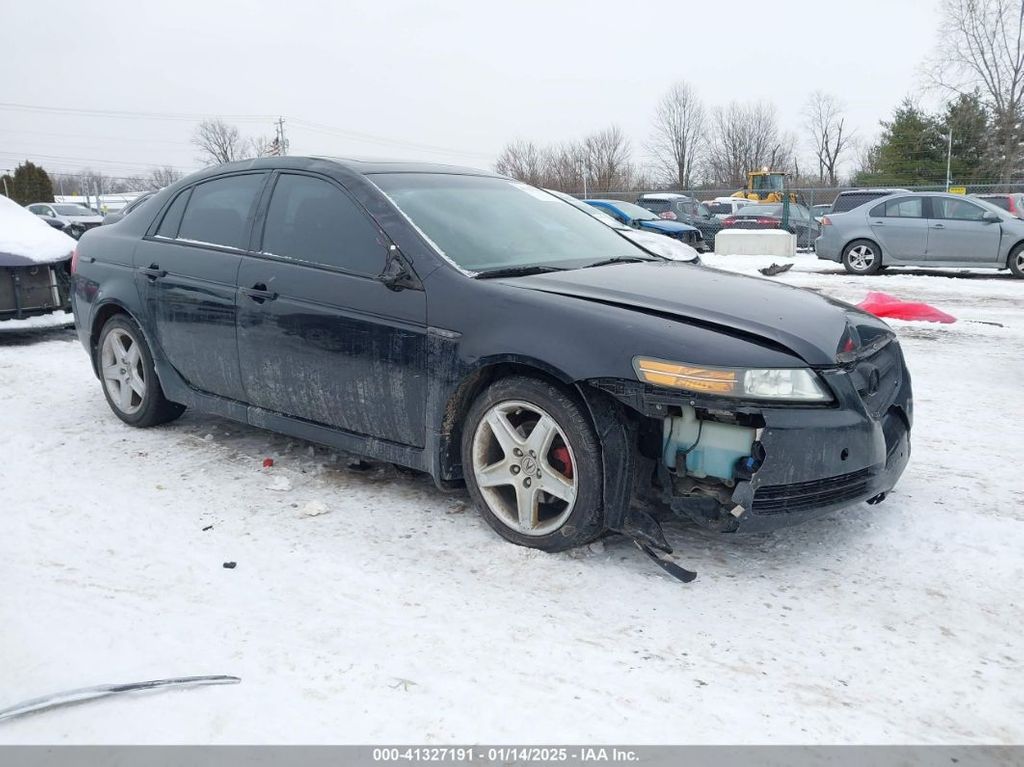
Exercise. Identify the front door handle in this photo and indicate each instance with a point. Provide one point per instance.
(153, 271)
(259, 293)
(938, 226)
(878, 223)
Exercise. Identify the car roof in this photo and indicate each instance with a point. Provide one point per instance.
(663, 196)
(874, 190)
(358, 166)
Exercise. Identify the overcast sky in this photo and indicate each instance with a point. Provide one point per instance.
(449, 80)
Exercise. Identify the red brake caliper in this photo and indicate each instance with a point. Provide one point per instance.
(561, 456)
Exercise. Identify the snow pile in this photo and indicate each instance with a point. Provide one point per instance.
(23, 233)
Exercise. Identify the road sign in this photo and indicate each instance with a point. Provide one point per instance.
(958, 190)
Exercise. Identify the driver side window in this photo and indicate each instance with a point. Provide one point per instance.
(956, 210)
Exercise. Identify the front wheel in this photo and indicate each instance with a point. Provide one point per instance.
(533, 465)
(862, 257)
(129, 380)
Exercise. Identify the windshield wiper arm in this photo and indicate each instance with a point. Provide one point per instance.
(517, 271)
(619, 260)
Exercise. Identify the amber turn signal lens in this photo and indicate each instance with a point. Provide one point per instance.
(678, 376)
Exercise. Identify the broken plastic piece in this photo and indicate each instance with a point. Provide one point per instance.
(885, 305)
(84, 694)
(268, 462)
(670, 567)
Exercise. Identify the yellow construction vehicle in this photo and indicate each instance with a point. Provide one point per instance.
(765, 186)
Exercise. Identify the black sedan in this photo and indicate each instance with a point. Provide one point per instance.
(572, 380)
(769, 216)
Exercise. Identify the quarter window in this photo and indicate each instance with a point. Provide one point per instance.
(956, 210)
(219, 211)
(169, 226)
(310, 219)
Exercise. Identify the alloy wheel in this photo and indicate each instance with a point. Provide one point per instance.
(123, 373)
(1020, 262)
(525, 468)
(861, 257)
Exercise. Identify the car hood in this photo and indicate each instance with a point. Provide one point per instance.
(813, 327)
(665, 225)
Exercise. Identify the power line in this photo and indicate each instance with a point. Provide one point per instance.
(132, 115)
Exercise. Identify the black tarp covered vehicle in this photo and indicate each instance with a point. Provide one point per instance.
(35, 264)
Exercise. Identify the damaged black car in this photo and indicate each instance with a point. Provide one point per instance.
(488, 333)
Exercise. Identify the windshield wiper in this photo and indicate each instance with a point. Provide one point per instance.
(517, 271)
(619, 260)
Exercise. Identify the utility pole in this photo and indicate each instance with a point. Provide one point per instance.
(6, 193)
(282, 142)
(949, 158)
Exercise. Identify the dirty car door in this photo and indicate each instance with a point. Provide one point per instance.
(900, 227)
(185, 271)
(320, 337)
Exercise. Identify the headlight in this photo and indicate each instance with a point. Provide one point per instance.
(784, 384)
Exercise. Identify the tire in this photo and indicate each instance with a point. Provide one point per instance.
(128, 378)
(1015, 263)
(862, 257)
(510, 466)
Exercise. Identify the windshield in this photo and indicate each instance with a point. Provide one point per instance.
(631, 210)
(720, 207)
(73, 210)
(656, 206)
(484, 223)
(590, 210)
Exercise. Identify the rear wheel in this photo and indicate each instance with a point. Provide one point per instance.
(532, 465)
(1016, 261)
(129, 380)
(862, 257)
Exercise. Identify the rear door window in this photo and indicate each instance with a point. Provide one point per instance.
(903, 207)
(312, 220)
(220, 211)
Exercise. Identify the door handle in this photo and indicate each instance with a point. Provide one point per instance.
(878, 223)
(259, 293)
(153, 271)
(938, 226)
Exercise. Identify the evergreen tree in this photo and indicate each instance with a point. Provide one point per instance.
(969, 121)
(29, 184)
(912, 150)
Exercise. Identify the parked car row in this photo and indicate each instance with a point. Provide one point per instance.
(75, 220)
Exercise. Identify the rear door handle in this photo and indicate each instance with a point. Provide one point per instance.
(153, 271)
(938, 226)
(259, 293)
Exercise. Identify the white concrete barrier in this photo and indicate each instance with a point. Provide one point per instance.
(755, 242)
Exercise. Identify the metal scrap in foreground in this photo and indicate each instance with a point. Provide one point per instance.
(84, 694)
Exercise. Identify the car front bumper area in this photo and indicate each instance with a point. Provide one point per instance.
(804, 462)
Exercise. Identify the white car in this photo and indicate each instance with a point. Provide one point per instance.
(723, 207)
(77, 219)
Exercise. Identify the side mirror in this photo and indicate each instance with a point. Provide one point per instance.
(990, 218)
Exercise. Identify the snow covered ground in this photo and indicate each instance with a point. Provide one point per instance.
(368, 607)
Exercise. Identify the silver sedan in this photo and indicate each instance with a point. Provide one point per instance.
(923, 229)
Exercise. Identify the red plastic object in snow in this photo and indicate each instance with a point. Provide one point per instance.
(884, 305)
(268, 462)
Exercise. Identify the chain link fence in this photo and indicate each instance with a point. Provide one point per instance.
(809, 196)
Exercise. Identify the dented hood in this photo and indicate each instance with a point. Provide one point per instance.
(813, 327)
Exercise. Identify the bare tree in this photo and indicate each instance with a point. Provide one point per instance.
(161, 177)
(219, 142)
(981, 43)
(747, 137)
(608, 163)
(522, 160)
(678, 132)
(825, 121)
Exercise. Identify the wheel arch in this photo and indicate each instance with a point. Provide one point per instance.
(100, 317)
(872, 240)
(1009, 253)
(469, 387)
